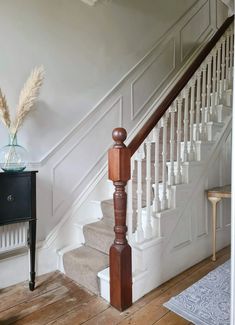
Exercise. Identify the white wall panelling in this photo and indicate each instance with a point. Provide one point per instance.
(192, 31)
(93, 143)
(153, 76)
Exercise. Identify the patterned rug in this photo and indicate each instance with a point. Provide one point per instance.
(207, 302)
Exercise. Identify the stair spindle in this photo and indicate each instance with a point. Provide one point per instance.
(139, 156)
(172, 144)
(203, 114)
(198, 105)
(227, 59)
(231, 57)
(164, 203)
(130, 203)
(186, 122)
(213, 94)
(218, 73)
(148, 227)
(208, 88)
(223, 64)
(179, 131)
(192, 109)
(157, 203)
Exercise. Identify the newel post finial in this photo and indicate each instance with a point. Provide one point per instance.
(120, 251)
(119, 136)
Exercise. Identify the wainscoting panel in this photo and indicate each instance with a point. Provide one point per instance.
(147, 83)
(183, 232)
(77, 167)
(191, 33)
(202, 217)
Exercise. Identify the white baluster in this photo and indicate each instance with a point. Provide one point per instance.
(179, 125)
(156, 203)
(198, 104)
(139, 156)
(223, 65)
(227, 60)
(172, 144)
(208, 88)
(148, 228)
(218, 72)
(203, 113)
(130, 203)
(213, 95)
(192, 109)
(164, 202)
(231, 57)
(186, 122)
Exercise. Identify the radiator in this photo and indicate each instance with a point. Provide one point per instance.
(13, 237)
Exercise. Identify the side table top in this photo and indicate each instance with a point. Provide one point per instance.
(220, 192)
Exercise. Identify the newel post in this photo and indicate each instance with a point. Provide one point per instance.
(120, 251)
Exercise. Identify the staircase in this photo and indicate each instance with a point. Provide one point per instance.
(84, 263)
(169, 157)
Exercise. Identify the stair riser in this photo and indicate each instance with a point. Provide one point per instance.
(98, 241)
(223, 112)
(212, 131)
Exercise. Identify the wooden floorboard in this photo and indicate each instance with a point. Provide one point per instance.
(58, 300)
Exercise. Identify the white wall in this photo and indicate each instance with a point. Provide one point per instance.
(86, 51)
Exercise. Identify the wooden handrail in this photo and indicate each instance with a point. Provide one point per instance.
(165, 104)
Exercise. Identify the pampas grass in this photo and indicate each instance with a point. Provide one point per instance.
(27, 99)
(28, 96)
(4, 111)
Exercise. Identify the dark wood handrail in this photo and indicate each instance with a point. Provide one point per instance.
(165, 104)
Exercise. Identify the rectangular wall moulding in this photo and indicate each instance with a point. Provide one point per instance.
(192, 31)
(183, 232)
(79, 166)
(202, 218)
(149, 81)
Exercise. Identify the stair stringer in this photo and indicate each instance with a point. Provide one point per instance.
(157, 260)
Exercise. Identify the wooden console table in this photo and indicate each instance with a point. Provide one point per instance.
(215, 195)
(18, 204)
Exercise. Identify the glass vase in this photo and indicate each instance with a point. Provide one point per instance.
(13, 157)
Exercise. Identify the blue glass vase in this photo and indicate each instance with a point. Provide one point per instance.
(13, 157)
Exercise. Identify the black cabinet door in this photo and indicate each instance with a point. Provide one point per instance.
(15, 199)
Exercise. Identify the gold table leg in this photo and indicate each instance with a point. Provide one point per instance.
(214, 201)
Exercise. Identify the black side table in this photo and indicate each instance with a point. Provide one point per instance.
(18, 204)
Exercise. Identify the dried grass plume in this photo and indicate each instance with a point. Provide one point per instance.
(28, 97)
(4, 111)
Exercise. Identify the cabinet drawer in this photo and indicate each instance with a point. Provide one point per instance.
(15, 199)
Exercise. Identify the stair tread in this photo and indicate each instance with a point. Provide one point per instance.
(82, 265)
(97, 260)
(100, 227)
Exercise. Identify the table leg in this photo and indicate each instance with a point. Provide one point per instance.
(214, 201)
(32, 248)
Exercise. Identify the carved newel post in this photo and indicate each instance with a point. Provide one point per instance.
(120, 251)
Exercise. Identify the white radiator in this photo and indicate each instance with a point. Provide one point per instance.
(13, 236)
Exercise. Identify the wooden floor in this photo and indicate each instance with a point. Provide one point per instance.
(58, 300)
